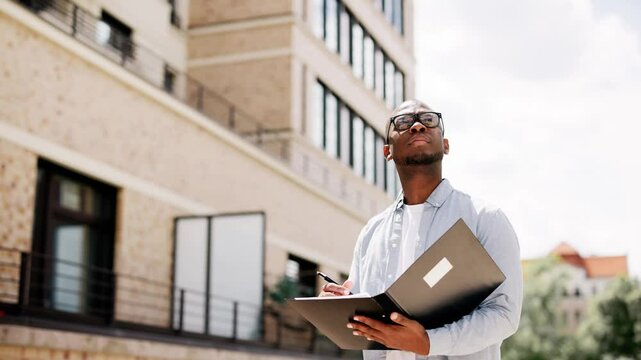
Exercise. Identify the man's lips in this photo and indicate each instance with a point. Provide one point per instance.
(419, 139)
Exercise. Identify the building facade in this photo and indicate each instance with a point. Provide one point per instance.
(587, 277)
(170, 171)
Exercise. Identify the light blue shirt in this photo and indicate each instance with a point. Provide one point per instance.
(479, 334)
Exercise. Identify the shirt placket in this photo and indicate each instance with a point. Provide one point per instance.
(394, 246)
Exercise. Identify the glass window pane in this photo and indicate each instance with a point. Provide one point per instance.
(398, 15)
(345, 136)
(357, 50)
(331, 25)
(399, 88)
(318, 119)
(357, 145)
(369, 154)
(380, 163)
(368, 59)
(379, 73)
(388, 9)
(319, 18)
(69, 280)
(390, 174)
(70, 195)
(389, 83)
(331, 124)
(344, 35)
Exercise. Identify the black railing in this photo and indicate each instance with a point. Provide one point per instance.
(151, 67)
(45, 287)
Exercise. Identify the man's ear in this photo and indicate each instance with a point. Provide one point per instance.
(387, 152)
(446, 146)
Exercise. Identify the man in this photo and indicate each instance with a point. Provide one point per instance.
(393, 239)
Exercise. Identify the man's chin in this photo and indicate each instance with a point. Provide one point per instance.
(423, 159)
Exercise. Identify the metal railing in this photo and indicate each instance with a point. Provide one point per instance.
(151, 67)
(42, 286)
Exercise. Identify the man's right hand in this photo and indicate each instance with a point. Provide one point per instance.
(336, 290)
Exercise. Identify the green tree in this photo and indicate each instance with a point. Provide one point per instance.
(613, 327)
(541, 335)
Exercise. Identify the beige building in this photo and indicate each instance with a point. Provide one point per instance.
(587, 276)
(171, 170)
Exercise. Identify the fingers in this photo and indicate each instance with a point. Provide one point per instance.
(398, 318)
(348, 284)
(335, 290)
(367, 327)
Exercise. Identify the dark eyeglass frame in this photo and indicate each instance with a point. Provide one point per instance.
(415, 117)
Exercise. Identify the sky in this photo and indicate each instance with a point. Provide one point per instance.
(541, 103)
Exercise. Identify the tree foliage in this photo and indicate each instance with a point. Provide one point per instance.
(613, 327)
(540, 335)
(611, 331)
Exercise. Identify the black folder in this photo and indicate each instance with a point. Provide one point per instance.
(445, 283)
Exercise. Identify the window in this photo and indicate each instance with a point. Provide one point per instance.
(389, 83)
(397, 18)
(344, 135)
(379, 73)
(357, 144)
(388, 9)
(174, 19)
(380, 163)
(316, 130)
(331, 124)
(117, 34)
(368, 61)
(331, 25)
(357, 49)
(345, 35)
(390, 179)
(393, 12)
(399, 91)
(169, 78)
(319, 18)
(369, 154)
(302, 272)
(73, 243)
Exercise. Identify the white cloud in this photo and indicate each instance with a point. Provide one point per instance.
(540, 105)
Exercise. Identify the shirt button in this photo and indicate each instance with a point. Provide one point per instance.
(389, 276)
(393, 245)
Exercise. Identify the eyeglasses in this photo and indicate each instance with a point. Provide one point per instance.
(428, 119)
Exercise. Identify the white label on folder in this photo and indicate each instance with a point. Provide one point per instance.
(438, 271)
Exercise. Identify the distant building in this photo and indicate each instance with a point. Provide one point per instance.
(588, 277)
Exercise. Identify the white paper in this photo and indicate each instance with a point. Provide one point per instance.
(438, 272)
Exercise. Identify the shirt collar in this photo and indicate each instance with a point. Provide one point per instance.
(436, 198)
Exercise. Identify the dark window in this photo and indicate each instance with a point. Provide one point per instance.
(119, 34)
(302, 272)
(577, 292)
(169, 79)
(73, 243)
(174, 19)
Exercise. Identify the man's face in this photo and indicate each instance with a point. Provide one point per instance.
(418, 145)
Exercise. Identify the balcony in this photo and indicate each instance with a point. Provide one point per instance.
(114, 41)
(37, 289)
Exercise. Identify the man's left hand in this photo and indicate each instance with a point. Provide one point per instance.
(406, 334)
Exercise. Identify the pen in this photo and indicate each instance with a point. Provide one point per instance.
(329, 279)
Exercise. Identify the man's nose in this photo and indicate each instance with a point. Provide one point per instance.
(417, 127)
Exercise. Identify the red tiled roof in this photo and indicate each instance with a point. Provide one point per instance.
(606, 266)
(595, 266)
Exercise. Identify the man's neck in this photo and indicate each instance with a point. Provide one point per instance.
(419, 182)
